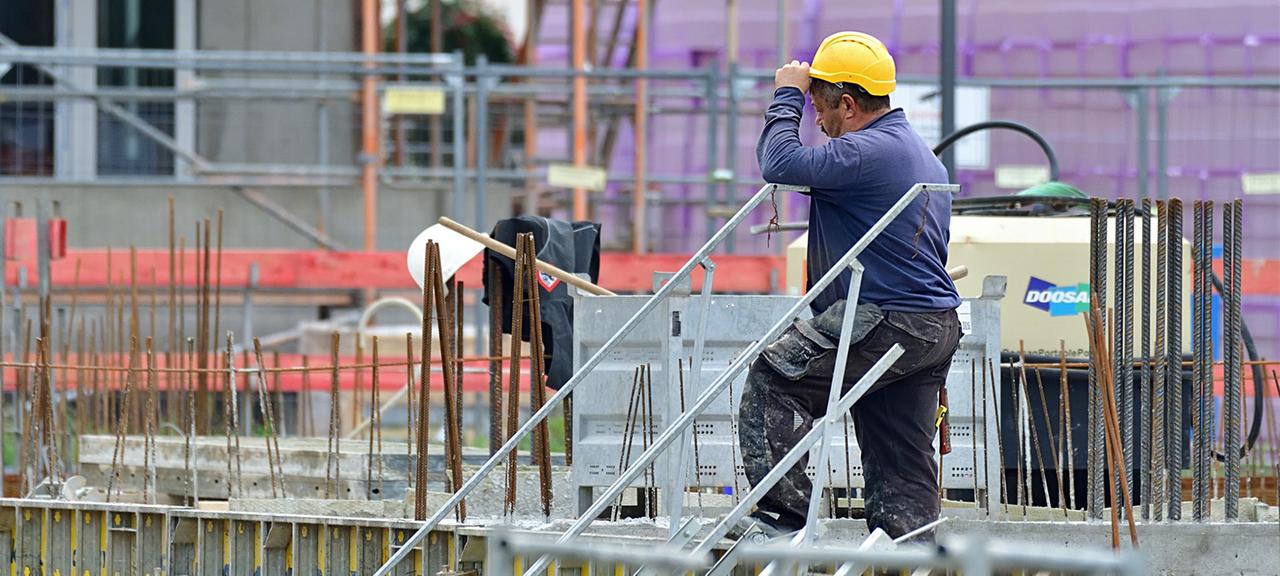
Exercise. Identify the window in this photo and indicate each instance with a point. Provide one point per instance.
(122, 149)
(26, 126)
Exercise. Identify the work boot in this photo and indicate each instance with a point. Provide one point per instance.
(759, 528)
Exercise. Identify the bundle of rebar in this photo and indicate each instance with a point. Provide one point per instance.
(526, 300)
(1114, 455)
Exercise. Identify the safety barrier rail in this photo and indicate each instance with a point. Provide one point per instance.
(678, 427)
(700, 258)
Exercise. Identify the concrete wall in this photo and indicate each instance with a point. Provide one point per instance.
(278, 131)
(100, 216)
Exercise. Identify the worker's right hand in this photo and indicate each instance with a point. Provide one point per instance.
(794, 75)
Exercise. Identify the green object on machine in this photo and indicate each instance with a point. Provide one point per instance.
(1053, 189)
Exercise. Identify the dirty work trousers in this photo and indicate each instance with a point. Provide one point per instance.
(787, 388)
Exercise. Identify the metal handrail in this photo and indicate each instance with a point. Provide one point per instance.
(556, 399)
(971, 555)
(503, 548)
(687, 418)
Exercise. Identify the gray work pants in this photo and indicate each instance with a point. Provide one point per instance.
(787, 388)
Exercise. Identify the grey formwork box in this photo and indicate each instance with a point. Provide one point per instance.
(734, 321)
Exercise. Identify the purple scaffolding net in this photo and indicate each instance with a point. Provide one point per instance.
(1214, 135)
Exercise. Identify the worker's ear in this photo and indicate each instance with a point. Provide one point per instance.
(850, 105)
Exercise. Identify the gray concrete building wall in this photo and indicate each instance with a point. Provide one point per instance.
(278, 131)
(118, 216)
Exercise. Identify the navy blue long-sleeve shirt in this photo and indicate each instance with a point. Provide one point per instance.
(853, 181)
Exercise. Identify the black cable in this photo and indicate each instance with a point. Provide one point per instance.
(1007, 125)
(1255, 427)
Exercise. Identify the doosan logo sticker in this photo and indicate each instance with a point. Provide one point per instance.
(1057, 300)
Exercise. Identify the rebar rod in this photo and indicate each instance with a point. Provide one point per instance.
(1232, 244)
(992, 377)
(445, 326)
(1067, 429)
(1205, 397)
(494, 282)
(518, 286)
(1197, 342)
(1054, 450)
(973, 439)
(1159, 433)
(1125, 387)
(537, 381)
(424, 393)
(1143, 409)
(332, 457)
(1176, 433)
(1097, 282)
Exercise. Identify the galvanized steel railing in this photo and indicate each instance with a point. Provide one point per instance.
(686, 419)
(700, 258)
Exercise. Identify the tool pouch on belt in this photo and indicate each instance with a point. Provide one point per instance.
(804, 344)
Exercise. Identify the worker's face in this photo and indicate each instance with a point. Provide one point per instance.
(832, 120)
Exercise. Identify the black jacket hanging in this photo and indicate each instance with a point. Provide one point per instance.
(574, 247)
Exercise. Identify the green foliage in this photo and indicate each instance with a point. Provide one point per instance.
(468, 26)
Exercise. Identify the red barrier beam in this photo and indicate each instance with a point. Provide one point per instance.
(314, 269)
(319, 270)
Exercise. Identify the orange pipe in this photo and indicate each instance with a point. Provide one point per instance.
(579, 50)
(639, 125)
(370, 138)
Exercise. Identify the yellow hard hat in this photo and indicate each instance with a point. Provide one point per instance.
(855, 58)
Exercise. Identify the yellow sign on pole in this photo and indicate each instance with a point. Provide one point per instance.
(585, 177)
(401, 100)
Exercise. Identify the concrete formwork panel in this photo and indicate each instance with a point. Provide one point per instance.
(211, 556)
(184, 536)
(28, 541)
(244, 544)
(61, 536)
(122, 540)
(153, 544)
(91, 542)
(277, 545)
(307, 548)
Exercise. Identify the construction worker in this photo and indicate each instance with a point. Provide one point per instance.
(872, 158)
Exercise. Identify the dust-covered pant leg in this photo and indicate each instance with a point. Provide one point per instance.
(788, 387)
(770, 423)
(895, 431)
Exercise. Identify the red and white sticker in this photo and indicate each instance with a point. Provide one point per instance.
(547, 281)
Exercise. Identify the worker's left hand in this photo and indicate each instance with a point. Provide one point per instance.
(795, 75)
